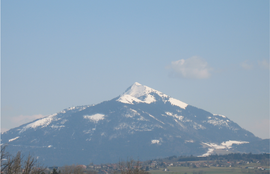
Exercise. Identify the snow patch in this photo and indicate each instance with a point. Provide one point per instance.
(132, 127)
(169, 113)
(214, 146)
(149, 99)
(71, 108)
(57, 127)
(198, 126)
(134, 111)
(128, 99)
(43, 122)
(217, 122)
(209, 152)
(178, 103)
(155, 118)
(184, 127)
(138, 90)
(175, 116)
(179, 117)
(13, 139)
(142, 119)
(224, 145)
(220, 115)
(229, 143)
(87, 131)
(64, 121)
(131, 113)
(77, 108)
(94, 118)
(155, 141)
(140, 94)
(189, 141)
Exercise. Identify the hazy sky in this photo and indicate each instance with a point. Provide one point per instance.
(210, 54)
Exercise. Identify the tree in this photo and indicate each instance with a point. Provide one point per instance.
(73, 169)
(5, 158)
(13, 164)
(16, 164)
(54, 171)
(131, 167)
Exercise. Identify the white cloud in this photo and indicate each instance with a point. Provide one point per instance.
(246, 65)
(264, 64)
(193, 67)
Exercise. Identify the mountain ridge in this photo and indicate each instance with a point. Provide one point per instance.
(142, 122)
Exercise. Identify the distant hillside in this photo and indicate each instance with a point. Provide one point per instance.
(142, 123)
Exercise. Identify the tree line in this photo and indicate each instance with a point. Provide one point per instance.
(229, 157)
(19, 164)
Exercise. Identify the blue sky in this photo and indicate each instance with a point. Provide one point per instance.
(211, 54)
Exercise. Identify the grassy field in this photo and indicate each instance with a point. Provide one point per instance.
(211, 170)
(182, 170)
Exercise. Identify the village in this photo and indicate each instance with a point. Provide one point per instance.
(172, 164)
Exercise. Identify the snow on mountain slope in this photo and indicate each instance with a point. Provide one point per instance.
(142, 122)
(95, 117)
(224, 145)
(13, 139)
(178, 103)
(43, 122)
(54, 120)
(143, 94)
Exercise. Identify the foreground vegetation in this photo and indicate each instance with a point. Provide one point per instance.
(230, 163)
(213, 164)
(19, 164)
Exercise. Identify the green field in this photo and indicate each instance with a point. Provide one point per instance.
(213, 170)
(178, 170)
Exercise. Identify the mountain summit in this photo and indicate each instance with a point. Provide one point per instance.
(142, 123)
(143, 94)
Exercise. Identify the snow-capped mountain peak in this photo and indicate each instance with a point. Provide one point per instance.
(137, 90)
(143, 94)
(142, 122)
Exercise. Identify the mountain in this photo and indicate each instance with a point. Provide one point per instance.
(142, 123)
